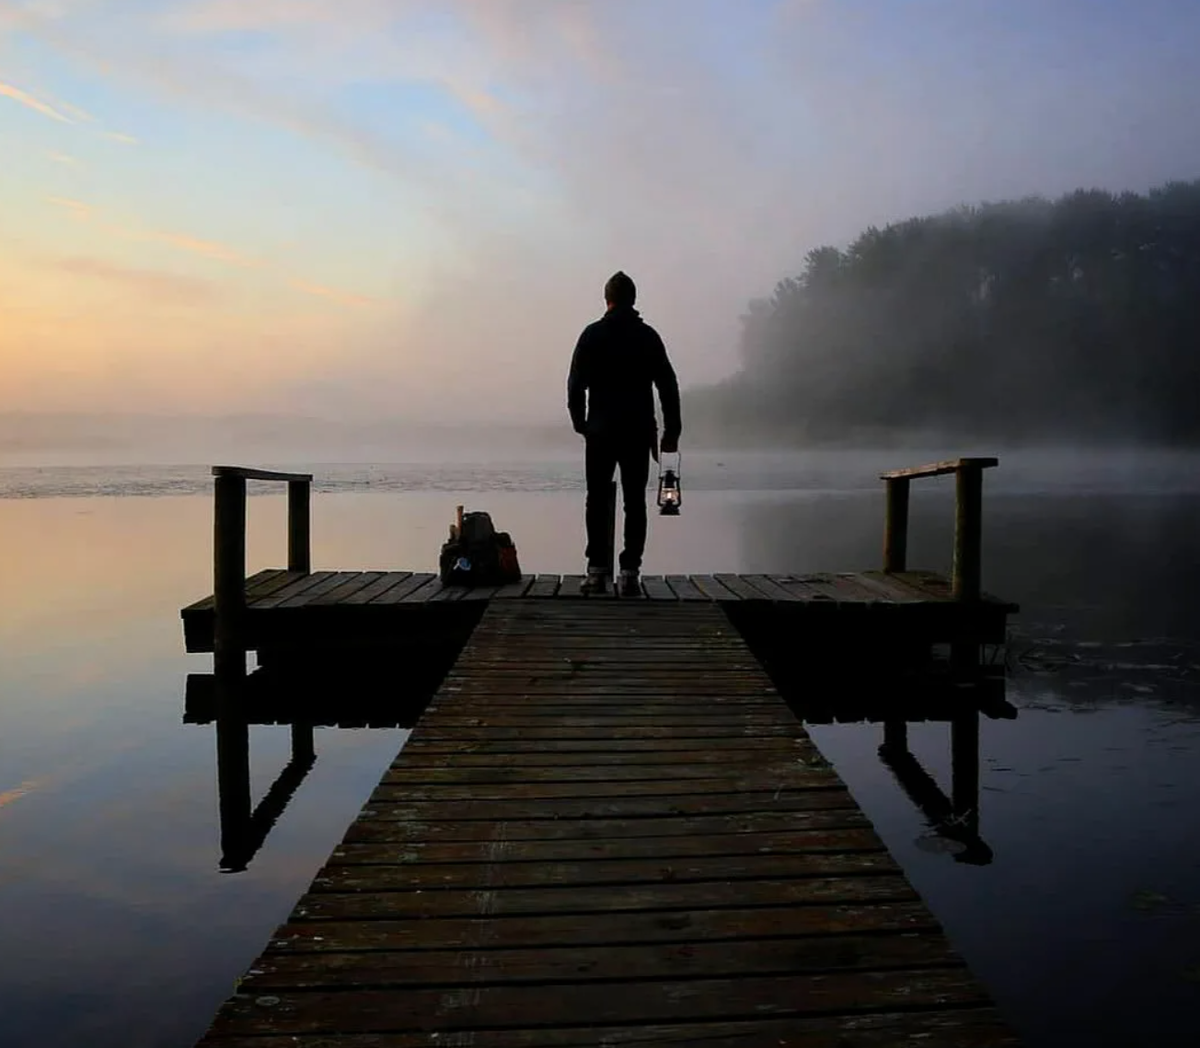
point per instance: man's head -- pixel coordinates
(620, 291)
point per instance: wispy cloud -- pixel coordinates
(119, 136)
(153, 283)
(213, 250)
(126, 230)
(78, 208)
(25, 788)
(344, 298)
(36, 104)
(63, 158)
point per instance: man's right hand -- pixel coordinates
(670, 445)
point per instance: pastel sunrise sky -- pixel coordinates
(408, 208)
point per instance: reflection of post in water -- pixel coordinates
(244, 827)
(955, 818)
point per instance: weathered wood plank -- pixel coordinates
(417, 590)
(604, 1003)
(769, 589)
(572, 586)
(591, 929)
(577, 759)
(346, 590)
(260, 584)
(513, 771)
(388, 581)
(249, 473)
(738, 584)
(301, 585)
(938, 469)
(372, 827)
(397, 793)
(656, 589)
(954, 1028)
(718, 735)
(544, 586)
(714, 589)
(464, 714)
(447, 592)
(767, 747)
(333, 581)
(812, 799)
(417, 968)
(502, 849)
(396, 593)
(513, 590)
(595, 873)
(684, 588)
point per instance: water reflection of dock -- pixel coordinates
(608, 827)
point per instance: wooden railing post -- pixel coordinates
(968, 531)
(895, 527)
(229, 574)
(299, 526)
(968, 520)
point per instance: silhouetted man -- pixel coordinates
(617, 363)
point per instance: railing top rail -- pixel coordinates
(260, 474)
(938, 469)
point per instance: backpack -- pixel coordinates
(478, 555)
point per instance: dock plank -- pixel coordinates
(417, 968)
(505, 850)
(399, 590)
(568, 851)
(387, 581)
(544, 586)
(604, 1003)
(958, 1028)
(684, 588)
(297, 587)
(334, 581)
(655, 587)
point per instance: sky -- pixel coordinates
(407, 209)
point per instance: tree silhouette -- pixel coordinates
(1021, 320)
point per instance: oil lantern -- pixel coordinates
(670, 488)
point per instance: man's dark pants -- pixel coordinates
(632, 456)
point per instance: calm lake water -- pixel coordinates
(119, 929)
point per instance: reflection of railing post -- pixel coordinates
(233, 776)
(302, 742)
(895, 736)
(964, 767)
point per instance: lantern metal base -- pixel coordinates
(669, 511)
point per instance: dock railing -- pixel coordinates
(229, 550)
(968, 519)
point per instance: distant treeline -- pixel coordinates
(1026, 320)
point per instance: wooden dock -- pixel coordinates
(608, 829)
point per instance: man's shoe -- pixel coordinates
(596, 581)
(630, 585)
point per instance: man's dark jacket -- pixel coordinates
(618, 361)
